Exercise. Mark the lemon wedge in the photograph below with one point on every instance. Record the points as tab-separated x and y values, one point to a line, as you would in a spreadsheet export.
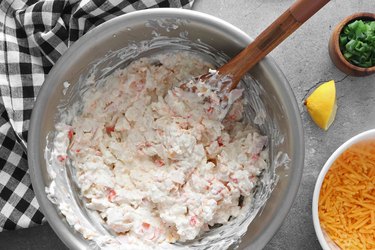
321	104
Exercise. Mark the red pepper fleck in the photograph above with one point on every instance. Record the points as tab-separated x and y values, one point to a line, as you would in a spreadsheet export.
61	158
210	110
193	220
111	194
70	134
145	225
110	129
78	150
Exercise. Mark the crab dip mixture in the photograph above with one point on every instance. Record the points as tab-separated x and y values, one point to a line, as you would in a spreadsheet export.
160	157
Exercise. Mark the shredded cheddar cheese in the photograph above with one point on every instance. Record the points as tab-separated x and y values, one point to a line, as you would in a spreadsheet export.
347	198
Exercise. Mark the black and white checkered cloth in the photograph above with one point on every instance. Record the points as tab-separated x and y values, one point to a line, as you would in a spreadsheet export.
33	35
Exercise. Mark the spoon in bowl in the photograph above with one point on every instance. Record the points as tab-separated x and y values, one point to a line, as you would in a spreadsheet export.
230	74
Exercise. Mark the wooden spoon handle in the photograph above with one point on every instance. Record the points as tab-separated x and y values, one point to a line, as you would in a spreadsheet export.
280	29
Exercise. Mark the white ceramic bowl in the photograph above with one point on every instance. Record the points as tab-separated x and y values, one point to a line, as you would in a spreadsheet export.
324	240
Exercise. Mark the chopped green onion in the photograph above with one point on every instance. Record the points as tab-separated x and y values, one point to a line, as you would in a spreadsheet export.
357	43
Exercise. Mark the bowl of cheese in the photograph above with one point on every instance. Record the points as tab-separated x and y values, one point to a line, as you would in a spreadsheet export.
344	196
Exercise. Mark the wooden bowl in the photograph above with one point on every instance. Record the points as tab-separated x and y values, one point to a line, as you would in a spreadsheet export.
334	47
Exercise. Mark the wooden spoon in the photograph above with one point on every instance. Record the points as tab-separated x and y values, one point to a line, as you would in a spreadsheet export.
280	29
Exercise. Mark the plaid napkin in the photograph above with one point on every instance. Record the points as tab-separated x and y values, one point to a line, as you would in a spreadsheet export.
33	35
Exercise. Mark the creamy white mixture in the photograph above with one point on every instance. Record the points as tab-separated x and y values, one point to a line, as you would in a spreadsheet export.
162	159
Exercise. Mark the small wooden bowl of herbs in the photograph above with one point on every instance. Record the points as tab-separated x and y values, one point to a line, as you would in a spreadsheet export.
352	45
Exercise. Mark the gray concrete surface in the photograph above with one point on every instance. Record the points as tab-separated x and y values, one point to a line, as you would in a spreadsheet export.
304	59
